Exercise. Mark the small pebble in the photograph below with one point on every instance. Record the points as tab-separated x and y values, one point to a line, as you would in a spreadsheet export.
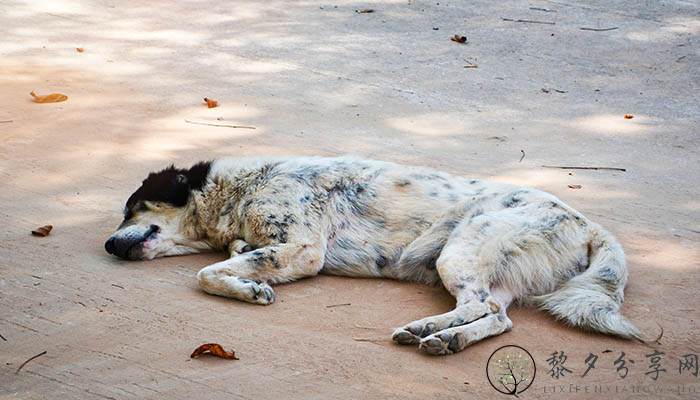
435	28
321	7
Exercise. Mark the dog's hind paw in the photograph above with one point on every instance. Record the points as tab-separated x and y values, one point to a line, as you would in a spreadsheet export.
402	336
442	343
412	333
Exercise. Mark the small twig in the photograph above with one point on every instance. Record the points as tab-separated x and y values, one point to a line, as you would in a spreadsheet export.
471	64
599	29
3	338
542	9
338	305
369	340
523	156
221	125
527	21
25	363
596	168
119	286
369	327
6	122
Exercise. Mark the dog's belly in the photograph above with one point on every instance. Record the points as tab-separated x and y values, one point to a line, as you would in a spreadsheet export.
364	252
367	236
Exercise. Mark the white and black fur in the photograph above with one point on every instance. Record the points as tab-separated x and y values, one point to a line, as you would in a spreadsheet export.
283	219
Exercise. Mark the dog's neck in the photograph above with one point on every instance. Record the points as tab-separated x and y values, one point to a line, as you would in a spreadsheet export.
214	214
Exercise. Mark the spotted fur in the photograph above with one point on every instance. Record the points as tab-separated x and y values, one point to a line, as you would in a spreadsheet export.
283	219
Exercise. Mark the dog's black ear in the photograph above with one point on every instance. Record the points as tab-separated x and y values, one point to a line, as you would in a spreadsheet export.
171	185
197	175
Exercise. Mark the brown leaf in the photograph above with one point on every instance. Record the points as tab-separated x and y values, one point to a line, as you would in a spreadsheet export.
43	231
80	49
51	98
629	116
211	103
459	39
574	186
215	349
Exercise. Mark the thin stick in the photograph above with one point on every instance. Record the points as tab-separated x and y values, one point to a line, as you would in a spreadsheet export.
599	29
523	156
338	305
596	168
6	122
220	125
25	363
119	286
542	9
369	340
527	21
3	338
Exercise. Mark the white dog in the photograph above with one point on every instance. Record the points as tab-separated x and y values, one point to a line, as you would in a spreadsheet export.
283	219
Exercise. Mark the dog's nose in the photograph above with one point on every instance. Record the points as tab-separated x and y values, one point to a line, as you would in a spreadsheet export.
109	245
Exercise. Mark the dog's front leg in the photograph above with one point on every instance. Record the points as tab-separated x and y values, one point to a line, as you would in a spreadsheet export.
246	276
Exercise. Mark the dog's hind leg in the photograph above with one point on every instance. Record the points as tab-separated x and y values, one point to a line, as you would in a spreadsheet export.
480	310
485	322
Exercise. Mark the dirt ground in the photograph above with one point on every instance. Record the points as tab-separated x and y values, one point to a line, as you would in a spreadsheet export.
319	78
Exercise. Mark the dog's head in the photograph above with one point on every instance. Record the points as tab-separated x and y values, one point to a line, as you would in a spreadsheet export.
154	216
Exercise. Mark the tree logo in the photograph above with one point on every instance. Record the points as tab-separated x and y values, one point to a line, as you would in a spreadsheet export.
511	370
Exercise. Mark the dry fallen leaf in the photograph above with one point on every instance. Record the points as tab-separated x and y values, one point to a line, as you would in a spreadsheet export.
51	98
43	231
629	116
574	186
80	49
215	349
210	102
459	39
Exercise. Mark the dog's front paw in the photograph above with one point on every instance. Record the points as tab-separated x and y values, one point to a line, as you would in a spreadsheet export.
220	283
259	293
238	247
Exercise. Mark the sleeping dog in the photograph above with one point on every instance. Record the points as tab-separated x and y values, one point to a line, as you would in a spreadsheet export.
283	219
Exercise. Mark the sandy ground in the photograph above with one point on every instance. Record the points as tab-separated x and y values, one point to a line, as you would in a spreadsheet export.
328	81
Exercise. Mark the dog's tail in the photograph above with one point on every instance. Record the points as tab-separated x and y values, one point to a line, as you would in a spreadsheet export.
593	299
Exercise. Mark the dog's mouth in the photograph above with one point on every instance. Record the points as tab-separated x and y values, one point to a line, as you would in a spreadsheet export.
131	246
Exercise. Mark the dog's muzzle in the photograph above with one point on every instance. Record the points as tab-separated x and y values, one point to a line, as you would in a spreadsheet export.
129	246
